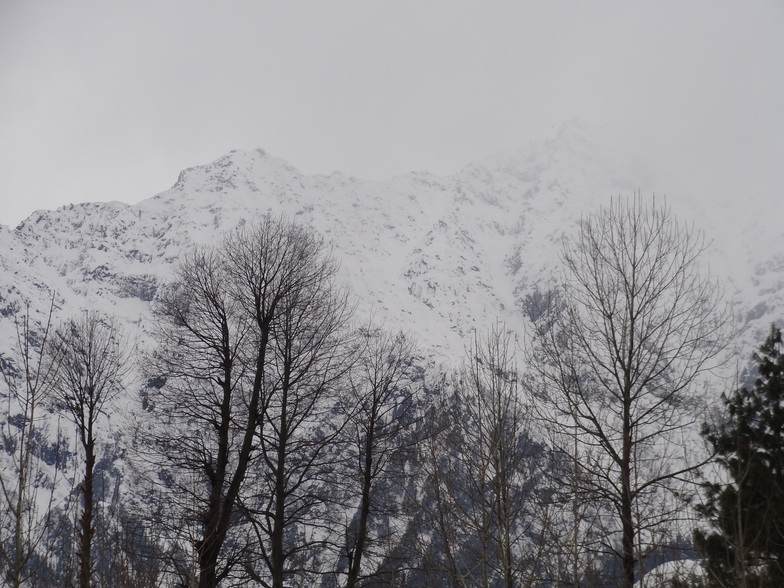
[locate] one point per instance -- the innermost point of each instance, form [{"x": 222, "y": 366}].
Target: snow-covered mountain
[{"x": 439, "y": 256}]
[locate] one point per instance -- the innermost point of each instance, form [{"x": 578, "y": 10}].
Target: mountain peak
[{"x": 233, "y": 169}]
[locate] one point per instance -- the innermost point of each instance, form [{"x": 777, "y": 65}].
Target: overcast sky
[{"x": 108, "y": 100}]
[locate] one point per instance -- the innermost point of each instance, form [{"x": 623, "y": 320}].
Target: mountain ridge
[{"x": 439, "y": 255}]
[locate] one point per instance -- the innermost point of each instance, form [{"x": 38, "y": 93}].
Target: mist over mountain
[{"x": 439, "y": 256}]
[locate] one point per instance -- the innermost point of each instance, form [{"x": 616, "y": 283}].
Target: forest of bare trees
[{"x": 272, "y": 437}]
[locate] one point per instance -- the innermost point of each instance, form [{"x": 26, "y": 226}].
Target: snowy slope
[{"x": 439, "y": 256}]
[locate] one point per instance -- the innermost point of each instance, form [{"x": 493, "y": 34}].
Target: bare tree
[
  {"x": 300, "y": 422},
  {"x": 29, "y": 377},
  {"x": 194, "y": 389},
  {"x": 235, "y": 328},
  {"x": 381, "y": 408},
  {"x": 483, "y": 470},
  {"x": 93, "y": 362},
  {"x": 619, "y": 353}
]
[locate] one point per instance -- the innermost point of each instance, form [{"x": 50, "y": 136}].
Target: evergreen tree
[{"x": 745, "y": 546}]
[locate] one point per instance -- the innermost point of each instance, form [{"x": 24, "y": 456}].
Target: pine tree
[{"x": 745, "y": 546}]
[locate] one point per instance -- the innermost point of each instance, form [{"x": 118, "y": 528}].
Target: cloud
[{"x": 110, "y": 100}]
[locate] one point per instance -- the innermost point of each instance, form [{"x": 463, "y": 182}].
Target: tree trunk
[
  {"x": 627, "y": 520},
  {"x": 355, "y": 556},
  {"x": 208, "y": 550},
  {"x": 628, "y": 537},
  {"x": 20, "y": 557},
  {"x": 86, "y": 530},
  {"x": 209, "y": 547},
  {"x": 16, "y": 571},
  {"x": 279, "y": 522}
]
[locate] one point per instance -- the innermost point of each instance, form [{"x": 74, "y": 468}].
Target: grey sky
[{"x": 110, "y": 100}]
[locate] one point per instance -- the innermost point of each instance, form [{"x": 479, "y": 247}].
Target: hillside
[{"x": 439, "y": 256}]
